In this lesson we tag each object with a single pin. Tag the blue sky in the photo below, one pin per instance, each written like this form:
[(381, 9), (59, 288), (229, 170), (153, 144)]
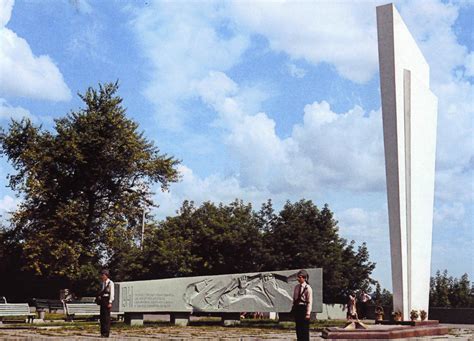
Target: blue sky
[(259, 100)]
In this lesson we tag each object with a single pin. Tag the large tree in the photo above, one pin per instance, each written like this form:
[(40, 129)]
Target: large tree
[(222, 238), (206, 240), (302, 236), (81, 183)]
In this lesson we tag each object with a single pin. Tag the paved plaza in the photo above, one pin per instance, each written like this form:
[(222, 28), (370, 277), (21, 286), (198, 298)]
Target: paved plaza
[(458, 332)]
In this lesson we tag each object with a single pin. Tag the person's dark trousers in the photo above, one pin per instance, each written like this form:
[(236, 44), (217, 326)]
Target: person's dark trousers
[(105, 317), (302, 324), (363, 310)]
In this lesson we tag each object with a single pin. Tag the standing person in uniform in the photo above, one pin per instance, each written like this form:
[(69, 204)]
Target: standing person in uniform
[(364, 299), (302, 303), (105, 297)]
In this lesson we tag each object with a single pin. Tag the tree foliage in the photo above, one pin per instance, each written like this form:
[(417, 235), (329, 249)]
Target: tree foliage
[(446, 291), (302, 235), (206, 240), (90, 176), (382, 297), (216, 239)]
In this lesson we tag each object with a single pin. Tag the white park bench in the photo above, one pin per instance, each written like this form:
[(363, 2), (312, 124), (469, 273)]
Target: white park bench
[(73, 310), (81, 309), (16, 309)]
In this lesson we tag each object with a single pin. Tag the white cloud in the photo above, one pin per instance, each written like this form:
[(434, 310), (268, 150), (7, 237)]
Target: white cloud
[(183, 43), (8, 112), (22, 73), (346, 149), (326, 150), (6, 7), (341, 34), (360, 224), (213, 188)]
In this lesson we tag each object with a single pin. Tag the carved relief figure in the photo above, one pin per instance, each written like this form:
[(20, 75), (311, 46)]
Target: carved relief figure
[(261, 290)]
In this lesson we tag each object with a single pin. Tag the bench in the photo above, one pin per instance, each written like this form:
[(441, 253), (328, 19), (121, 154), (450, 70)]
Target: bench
[(85, 309), (16, 309), (42, 304), (81, 309)]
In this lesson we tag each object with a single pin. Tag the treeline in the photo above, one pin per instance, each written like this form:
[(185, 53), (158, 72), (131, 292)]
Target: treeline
[(446, 291), (84, 186), (214, 239)]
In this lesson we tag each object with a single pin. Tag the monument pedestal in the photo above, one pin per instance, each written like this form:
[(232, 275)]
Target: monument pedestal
[(134, 319), (180, 319), (403, 329), (230, 319)]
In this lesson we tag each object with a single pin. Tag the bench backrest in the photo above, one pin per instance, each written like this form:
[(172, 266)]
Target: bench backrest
[(85, 299), (56, 305), (82, 309), (42, 303), (14, 309)]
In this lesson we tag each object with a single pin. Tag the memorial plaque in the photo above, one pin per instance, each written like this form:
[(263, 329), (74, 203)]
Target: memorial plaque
[(249, 292)]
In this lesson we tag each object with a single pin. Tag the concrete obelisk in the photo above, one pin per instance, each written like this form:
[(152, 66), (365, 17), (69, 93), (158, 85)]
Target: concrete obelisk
[(409, 124)]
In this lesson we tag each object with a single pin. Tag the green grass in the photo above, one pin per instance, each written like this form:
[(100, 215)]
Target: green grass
[(54, 316), (205, 324)]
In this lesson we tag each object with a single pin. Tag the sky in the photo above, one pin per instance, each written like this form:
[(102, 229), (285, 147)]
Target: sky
[(259, 99)]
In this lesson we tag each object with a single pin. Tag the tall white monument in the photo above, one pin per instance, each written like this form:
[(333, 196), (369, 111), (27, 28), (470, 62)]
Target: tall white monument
[(409, 123)]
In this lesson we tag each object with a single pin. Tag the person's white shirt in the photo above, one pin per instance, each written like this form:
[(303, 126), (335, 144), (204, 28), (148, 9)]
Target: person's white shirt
[(364, 297), (307, 297), (109, 282)]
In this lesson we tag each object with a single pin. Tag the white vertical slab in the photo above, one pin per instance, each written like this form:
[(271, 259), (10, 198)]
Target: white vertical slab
[(409, 121)]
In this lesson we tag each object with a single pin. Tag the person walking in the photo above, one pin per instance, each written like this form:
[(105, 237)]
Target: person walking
[(302, 303), (105, 299)]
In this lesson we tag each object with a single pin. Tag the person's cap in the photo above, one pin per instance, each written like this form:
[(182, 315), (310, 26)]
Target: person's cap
[(105, 272)]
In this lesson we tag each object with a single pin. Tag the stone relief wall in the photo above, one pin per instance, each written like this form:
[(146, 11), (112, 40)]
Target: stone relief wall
[(249, 292)]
